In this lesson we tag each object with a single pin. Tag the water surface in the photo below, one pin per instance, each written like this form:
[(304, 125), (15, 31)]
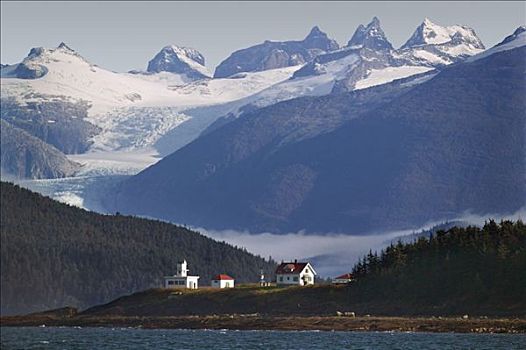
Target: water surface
[(133, 338)]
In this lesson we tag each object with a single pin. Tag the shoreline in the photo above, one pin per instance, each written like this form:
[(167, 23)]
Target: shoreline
[(282, 323)]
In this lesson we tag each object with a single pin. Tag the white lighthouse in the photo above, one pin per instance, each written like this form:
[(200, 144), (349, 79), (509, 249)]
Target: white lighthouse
[(182, 269), (181, 278)]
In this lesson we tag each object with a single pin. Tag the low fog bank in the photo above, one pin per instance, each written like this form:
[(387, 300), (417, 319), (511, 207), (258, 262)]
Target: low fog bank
[(332, 254)]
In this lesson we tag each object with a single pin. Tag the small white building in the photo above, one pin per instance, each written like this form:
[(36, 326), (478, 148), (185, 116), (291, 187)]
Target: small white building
[(222, 281), (295, 273), (343, 279), (181, 278)]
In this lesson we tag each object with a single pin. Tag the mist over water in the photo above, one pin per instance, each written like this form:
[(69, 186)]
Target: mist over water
[(333, 254)]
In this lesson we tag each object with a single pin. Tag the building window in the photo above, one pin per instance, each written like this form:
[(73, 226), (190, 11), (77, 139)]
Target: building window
[(170, 283), (288, 278), (295, 279), (281, 279)]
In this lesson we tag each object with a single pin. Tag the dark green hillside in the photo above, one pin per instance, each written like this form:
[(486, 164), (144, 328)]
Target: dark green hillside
[(468, 270), (54, 255)]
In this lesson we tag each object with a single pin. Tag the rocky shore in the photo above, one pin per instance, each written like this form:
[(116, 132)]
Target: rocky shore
[(461, 324)]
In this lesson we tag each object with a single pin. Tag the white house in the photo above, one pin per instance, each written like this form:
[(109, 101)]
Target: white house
[(181, 278), (295, 273), (222, 281), (343, 279)]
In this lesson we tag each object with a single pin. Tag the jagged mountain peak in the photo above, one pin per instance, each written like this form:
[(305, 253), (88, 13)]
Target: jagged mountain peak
[(189, 52), (180, 60), (513, 36), (430, 33), (375, 22), (371, 36), (317, 39), (315, 31), (35, 65), (428, 22), (44, 51), (65, 47)]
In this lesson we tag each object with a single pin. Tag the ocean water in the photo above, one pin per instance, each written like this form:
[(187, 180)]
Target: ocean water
[(132, 338)]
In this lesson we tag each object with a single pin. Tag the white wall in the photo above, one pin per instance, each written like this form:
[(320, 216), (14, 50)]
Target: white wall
[(222, 284), (192, 282), (305, 277), (188, 282)]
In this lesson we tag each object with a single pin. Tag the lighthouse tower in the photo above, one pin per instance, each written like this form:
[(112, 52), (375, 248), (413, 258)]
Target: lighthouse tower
[(182, 269), (181, 279)]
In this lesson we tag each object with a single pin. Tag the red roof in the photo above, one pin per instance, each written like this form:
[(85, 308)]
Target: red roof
[(346, 276), (222, 277), (290, 268)]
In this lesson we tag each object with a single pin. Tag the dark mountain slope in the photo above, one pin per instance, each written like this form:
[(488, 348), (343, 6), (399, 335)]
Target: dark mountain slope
[(59, 123), (453, 144), (206, 170), (54, 255), (25, 156)]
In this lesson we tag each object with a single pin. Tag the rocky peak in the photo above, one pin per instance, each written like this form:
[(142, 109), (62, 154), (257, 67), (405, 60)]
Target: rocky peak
[(315, 31), (63, 46), (36, 51), (371, 37), (430, 33), (319, 40), (513, 36), (41, 51), (276, 54), (180, 60)]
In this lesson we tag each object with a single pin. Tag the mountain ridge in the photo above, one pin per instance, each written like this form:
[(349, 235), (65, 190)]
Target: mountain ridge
[(311, 183), (276, 54)]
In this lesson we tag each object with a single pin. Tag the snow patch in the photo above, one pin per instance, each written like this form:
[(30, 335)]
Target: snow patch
[(519, 41), (386, 75)]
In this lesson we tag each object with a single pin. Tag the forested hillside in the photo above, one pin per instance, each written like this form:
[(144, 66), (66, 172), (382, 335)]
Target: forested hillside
[(472, 269), (54, 255)]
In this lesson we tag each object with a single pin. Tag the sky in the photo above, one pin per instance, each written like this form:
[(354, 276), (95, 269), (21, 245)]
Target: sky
[(121, 36)]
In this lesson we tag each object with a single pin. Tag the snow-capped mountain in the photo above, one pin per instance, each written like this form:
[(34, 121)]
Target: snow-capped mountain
[(175, 100), (179, 60), (392, 156), (131, 110), (374, 61), (429, 33), (436, 46), (276, 54), (371, 36), (137, 110)]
